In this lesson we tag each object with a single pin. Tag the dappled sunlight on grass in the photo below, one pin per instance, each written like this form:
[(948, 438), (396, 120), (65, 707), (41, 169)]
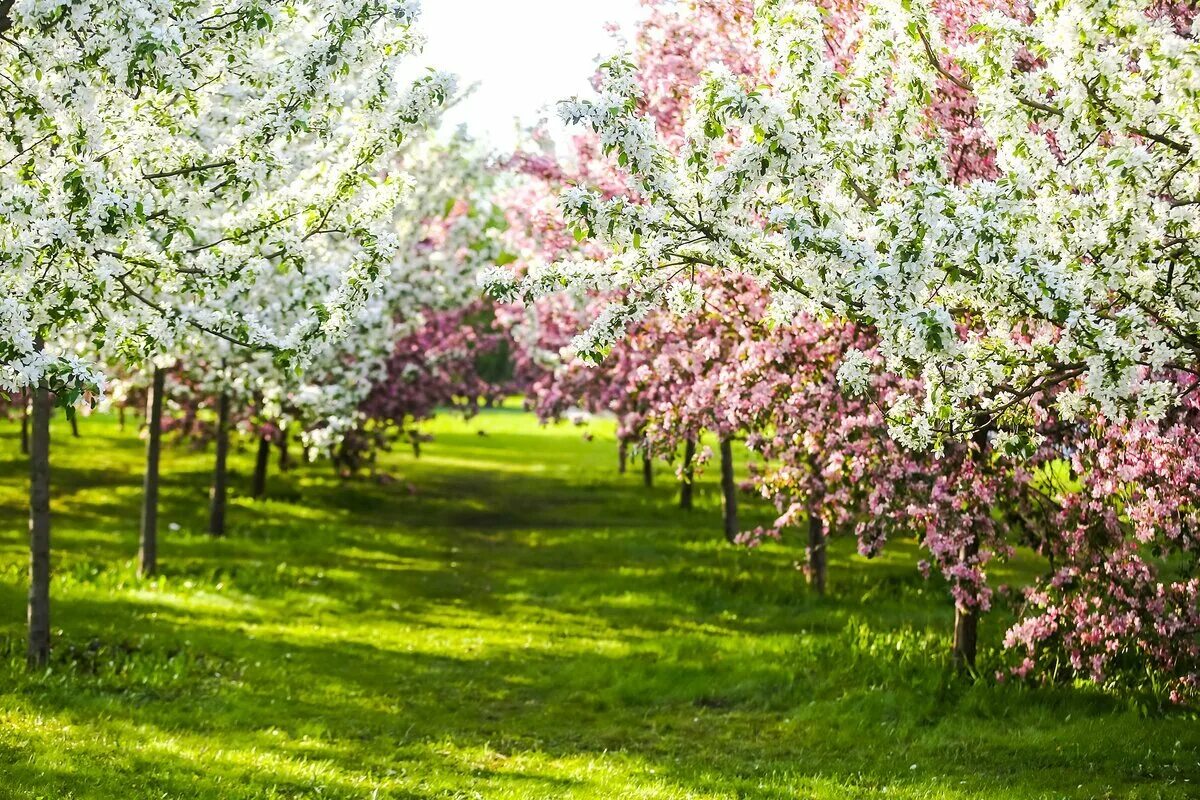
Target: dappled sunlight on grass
[(506, 617)]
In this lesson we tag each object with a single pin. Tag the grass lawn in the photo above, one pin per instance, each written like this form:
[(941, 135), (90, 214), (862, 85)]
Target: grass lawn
[(508, 618)]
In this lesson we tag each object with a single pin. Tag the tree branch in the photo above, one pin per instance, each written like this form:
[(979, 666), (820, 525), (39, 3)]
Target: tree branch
[(186, 170)]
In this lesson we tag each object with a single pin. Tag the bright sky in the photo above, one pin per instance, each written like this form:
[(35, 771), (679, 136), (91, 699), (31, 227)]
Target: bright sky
[(525, 55)]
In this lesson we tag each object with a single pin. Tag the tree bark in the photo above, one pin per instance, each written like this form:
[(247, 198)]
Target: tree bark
[(818, 555), (416, 445), (25, 423), (259, 488), (39, 530), (818, 537), (73, 417), (966, 621), (217, 497), (285, 461), (148, 544), (729, 491), (647, 471), (685, 488), (622, 457), (121, 418)]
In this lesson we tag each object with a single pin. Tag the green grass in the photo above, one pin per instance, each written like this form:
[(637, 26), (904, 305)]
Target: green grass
[(508, 618)]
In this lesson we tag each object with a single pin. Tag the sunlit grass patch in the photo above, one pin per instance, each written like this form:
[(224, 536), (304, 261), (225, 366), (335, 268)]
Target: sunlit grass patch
[(507, 617)]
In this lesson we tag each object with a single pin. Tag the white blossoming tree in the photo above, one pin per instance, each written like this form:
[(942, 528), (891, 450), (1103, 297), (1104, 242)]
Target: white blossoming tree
[(437, 252), (159, 159), (1076, 268)]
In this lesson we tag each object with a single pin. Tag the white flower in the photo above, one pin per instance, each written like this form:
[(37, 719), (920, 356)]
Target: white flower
[(854, 374)]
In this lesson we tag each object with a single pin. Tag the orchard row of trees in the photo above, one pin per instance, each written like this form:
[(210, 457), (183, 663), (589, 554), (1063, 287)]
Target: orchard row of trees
[(935, 265), (236, 215)]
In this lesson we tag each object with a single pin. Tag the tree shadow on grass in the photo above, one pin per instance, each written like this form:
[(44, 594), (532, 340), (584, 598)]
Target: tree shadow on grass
[(368, 705), (703, 716), (494, 625)]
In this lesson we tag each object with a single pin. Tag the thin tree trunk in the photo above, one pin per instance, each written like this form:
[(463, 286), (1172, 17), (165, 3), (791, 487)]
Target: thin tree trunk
[(148, 547), (25, 423), (647, 471), (416, 445), (729, 491), (73, 416), (217, 498), (259, 487), (121, 418), (818, 537), (818, 555), (685, 488), (39, 529), (285, 462), (966, 621), (622, 457)]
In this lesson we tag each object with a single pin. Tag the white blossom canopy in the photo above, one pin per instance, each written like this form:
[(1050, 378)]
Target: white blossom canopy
[(161, 158)]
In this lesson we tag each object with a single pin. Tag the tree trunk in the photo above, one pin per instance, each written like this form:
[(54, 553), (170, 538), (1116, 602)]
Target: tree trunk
[(25, 423), (148, 546), (39, 530), (216, 513), (685, 488), (285, 462), (647, 471), (622, 457), (966, 621), (121, 418), (729, 491), (259, 488), (416, 445), (818, 555), (73, 417)]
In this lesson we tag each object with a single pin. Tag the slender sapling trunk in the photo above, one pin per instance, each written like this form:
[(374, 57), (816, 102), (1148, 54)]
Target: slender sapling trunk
[(148, 540), (647, 471), (25, 423), (685, 488), (729, 491), (966, 620), (39, 529), (818, 555), (818, 537), (622, 457), (259, 488), (217, 498)]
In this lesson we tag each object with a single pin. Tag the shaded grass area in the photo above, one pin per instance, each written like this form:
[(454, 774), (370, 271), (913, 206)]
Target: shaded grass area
[(508, 618)]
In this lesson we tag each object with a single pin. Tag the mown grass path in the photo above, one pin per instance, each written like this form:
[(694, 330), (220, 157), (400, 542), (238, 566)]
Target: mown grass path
[(507, 618)]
